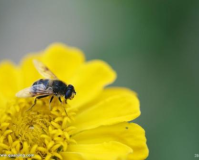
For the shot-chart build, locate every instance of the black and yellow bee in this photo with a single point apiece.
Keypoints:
(51, 86)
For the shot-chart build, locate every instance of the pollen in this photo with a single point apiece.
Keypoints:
(39, 132)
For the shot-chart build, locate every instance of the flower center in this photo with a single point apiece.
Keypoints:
(29, 126)
(39, 131)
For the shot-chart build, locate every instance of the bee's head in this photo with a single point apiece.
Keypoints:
(70, 92)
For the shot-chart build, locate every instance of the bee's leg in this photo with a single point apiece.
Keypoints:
(62, 105)
(65, 101)
(35, 101)
(60, 100)
(51, 99)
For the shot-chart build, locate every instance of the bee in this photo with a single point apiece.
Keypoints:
(50, 86)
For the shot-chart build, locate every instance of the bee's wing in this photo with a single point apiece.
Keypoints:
(25, 93)
(36, 90)
(43, 70)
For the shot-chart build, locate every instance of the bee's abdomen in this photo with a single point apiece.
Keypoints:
(45, 82)
(40, 84)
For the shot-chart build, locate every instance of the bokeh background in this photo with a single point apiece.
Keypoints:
(153, 46)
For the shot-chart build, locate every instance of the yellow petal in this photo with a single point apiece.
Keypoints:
(89, 81)
(3, 101)
(63, 60)
(109, 92)
(105, 151)
(29, 72)
(116, 107)
(130, 134)
(9, 79)
(72, 156)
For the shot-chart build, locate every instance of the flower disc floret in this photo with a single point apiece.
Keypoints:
(39, 131)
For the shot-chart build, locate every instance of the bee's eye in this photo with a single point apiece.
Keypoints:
(68, 94)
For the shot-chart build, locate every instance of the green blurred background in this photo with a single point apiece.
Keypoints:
(153, 46)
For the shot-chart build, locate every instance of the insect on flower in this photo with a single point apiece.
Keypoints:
(51, 86)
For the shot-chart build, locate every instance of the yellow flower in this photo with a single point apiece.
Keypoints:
(92, 126)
